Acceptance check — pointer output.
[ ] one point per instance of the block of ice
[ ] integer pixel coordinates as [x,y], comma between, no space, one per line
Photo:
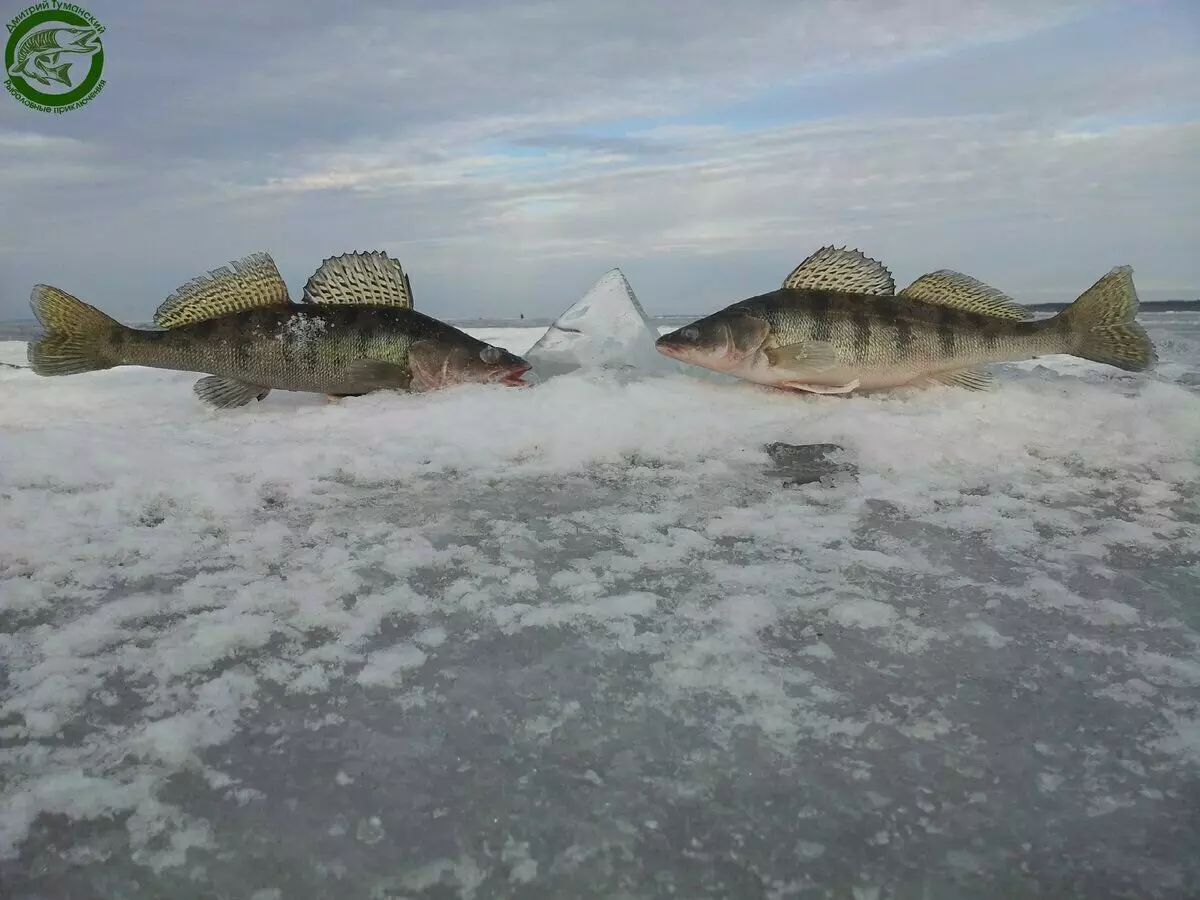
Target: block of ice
[606,328]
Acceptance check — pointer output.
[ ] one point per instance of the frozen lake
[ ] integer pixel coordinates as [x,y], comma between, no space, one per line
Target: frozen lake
[583,641]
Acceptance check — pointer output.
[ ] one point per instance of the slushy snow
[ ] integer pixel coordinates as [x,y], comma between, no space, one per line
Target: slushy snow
[580,640]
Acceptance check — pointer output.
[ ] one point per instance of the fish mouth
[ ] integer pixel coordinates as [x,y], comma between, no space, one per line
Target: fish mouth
[84,42]
[668,348]
[514,376]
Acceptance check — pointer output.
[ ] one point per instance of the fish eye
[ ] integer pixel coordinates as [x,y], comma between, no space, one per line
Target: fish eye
[490,355]
[691,333]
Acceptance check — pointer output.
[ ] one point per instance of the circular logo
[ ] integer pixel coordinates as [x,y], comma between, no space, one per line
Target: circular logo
[53,58]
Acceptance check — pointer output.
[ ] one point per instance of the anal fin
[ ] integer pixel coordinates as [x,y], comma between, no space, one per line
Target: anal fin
[970,379]
[227,393]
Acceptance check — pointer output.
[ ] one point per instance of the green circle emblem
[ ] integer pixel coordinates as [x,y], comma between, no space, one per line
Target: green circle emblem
[54,60]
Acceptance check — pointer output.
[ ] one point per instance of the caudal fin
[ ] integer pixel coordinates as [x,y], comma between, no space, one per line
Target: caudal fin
[58,73]
[1100,324]
[78,337]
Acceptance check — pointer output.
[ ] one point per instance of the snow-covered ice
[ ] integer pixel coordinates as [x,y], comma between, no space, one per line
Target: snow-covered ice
[606,328]
[581,641]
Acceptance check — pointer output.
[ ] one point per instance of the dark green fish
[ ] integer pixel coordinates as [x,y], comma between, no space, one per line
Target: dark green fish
[837,326]
[354,332]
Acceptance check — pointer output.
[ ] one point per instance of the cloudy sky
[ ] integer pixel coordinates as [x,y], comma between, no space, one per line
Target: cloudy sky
[509,153]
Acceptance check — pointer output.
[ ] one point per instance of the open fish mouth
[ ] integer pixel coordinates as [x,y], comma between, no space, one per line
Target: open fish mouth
[514,376]
[89,40]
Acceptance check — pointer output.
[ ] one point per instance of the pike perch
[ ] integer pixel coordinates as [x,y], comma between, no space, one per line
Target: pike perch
[354,332]
[837,325]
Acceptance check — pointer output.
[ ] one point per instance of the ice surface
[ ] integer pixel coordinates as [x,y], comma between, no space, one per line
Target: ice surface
[606,328]
[581,641]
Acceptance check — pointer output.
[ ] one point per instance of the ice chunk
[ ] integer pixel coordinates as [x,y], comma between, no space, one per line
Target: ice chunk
[607,328]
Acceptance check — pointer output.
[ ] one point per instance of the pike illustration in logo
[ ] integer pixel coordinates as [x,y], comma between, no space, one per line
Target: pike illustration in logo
[38,54]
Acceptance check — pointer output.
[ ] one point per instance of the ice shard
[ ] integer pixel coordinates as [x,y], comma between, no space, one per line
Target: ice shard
[606,328]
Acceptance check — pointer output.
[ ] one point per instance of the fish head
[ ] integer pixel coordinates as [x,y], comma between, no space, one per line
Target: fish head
[444,362]
[78,40]
[727,341]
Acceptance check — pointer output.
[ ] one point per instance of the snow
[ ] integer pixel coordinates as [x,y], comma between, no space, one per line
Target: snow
[581,639]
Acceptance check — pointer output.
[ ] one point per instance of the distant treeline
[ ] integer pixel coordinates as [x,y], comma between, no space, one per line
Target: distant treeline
[1155,306]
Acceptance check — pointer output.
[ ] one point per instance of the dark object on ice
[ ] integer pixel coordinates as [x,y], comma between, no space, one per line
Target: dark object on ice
[12,366]
[806,463]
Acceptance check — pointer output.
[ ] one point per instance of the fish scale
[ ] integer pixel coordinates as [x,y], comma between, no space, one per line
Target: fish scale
[294,348]
[885,331]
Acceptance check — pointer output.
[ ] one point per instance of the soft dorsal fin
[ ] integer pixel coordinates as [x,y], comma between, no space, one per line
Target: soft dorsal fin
[838,269]
[946,287]
[369,279]
[248,283]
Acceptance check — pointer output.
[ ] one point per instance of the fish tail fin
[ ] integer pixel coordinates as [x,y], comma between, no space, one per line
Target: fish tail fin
[78,337]
[58,73]
[1100,325]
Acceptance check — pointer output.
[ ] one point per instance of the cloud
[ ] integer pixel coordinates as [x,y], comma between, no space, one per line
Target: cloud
[510,154]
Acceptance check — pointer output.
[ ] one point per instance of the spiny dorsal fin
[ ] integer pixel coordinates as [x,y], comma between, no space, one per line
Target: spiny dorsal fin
[248,283]
[368,279]
[838,269]
[946,287]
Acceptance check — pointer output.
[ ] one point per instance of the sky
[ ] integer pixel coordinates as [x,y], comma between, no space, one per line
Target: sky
[509,154]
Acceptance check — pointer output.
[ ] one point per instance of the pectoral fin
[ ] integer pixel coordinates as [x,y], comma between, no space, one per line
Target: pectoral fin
[805,356]
[227,393]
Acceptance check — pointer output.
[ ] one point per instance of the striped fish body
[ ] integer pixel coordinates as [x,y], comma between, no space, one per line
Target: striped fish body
[294,348]
[837,326]
[881,342]
[356,332]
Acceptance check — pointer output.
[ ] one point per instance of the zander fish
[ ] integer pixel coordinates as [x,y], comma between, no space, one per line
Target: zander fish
[837,326]
[354,332]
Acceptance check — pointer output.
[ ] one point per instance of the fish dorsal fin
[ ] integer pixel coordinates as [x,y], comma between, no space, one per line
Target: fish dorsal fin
[946,287]
[839,269]
[367,279]
[248,283]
